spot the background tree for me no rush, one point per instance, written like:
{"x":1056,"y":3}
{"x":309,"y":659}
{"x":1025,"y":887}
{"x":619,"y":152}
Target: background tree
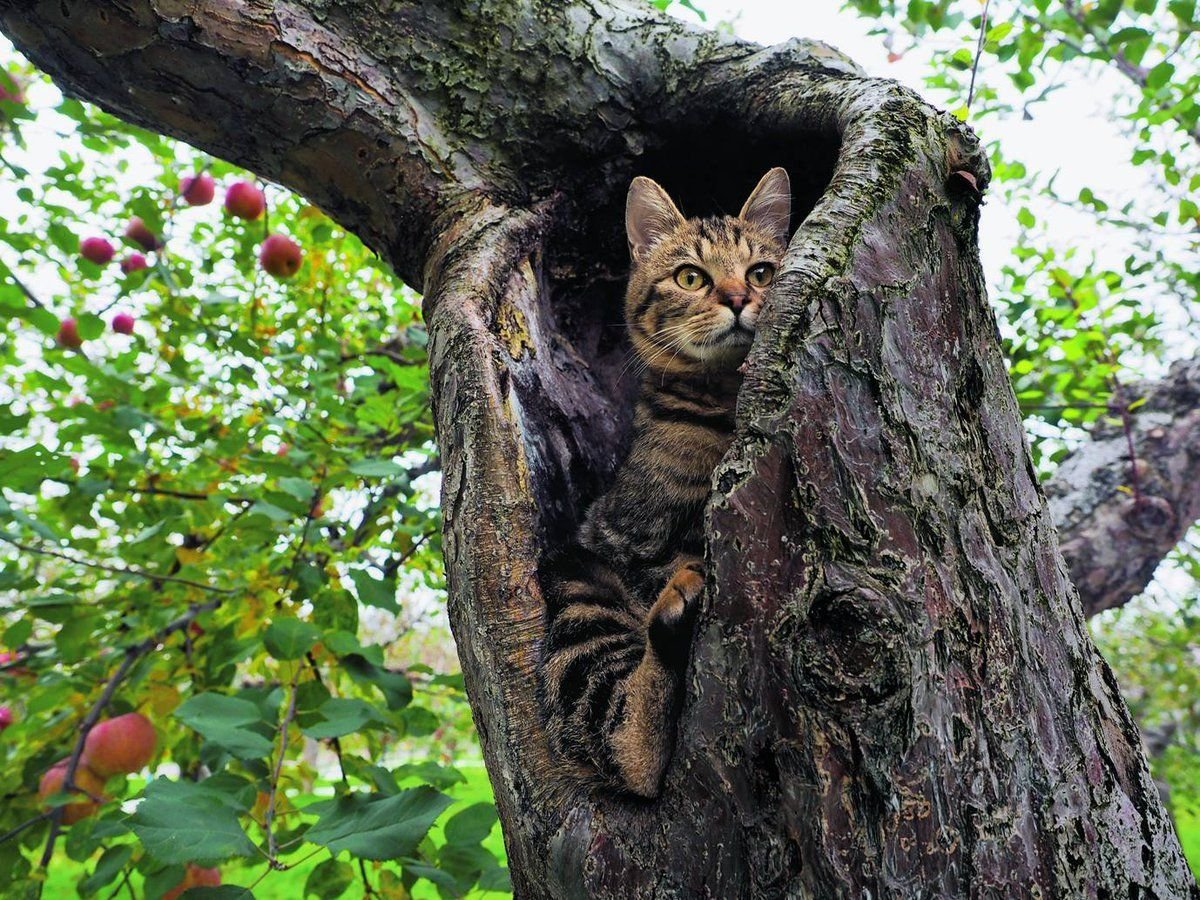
{"x":502,"y":313}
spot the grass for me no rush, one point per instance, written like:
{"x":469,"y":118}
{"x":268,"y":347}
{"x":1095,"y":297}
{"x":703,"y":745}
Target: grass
{"x":289,"y":884}
{"x":1188,"y":825}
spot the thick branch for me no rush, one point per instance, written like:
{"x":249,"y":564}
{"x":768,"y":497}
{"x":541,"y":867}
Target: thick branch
{"x":1113,"y":539}
{"x":381,"y":113}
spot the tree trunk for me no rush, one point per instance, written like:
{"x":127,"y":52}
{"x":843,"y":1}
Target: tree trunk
{"x":892,"y":690}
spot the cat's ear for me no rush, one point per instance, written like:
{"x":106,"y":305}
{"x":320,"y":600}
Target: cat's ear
{"x":649,"y":215}
{"x":770,"y":204}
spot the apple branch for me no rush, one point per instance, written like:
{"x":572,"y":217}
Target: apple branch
{"x":276,"y":772}
{"x":133,"y":653}
{"x":118,"y":570}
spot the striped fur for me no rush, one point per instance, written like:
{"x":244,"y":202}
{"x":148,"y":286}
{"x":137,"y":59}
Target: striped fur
{"x":621,"y":597}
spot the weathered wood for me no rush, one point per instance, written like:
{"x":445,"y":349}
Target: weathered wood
{"x":892,"y":692}
{"x":1116,"y":526}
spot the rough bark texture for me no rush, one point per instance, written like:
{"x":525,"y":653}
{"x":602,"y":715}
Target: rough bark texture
{"x":892,"y":693}
{"x":1118,"y":518}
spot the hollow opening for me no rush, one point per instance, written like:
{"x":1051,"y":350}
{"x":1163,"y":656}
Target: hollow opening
{"x":576,"y":392}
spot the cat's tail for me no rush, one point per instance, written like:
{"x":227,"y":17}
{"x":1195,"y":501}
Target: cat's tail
{"x":609,"y":681}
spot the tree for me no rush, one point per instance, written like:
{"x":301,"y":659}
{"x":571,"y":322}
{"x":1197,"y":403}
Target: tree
{"x":892,"y":689}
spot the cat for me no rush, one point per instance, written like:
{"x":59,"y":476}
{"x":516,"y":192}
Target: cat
{"x":621,"y":598}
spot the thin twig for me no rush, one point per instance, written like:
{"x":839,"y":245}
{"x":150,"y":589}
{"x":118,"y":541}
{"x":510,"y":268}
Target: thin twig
{"x":28,"y":823}
{"x":125,"y":872}
{"x":336,"y":744}
{"x":269,"y":817}
{"x":983,"y":18}
{"x":392,"y":565}
{"x":120,"y":570}
{"x":29,"y":295}
{"x":191,"y":495}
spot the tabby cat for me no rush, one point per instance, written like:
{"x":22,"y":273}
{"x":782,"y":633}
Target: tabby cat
{"x":621,"y":598}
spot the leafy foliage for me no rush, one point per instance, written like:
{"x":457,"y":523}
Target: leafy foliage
{"x":220,"y":519}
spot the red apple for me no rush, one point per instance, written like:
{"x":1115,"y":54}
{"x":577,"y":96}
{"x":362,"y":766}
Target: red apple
{"x":86,"y":780}
{"x":122,"y":323}
{"x":73,"y":462}
{"x":139,"y":232}
{"x":194,"y":876}
{"x":96,"y":249}
{"x":120,"y":746}
{"x":198,"y":189}
{"x":6,"y":717}
{"x":68,"y":334}
{"x":280,"y":255}
{"x":133,"y":262}
{"x":244,"y":200}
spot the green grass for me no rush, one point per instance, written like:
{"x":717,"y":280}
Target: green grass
{"x":1188,"y":825}
{"x":289,"y":884}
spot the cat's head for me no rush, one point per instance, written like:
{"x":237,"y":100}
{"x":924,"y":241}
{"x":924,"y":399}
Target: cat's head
{"x":697,"y":285}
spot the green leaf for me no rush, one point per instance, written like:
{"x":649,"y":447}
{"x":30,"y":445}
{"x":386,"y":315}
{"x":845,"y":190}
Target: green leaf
{"x":376,"y":468}
{"x":961,"y":59}
{"x":375,"y":827}
{"x":174,"y":830}
{"x":396,"y":688}
{"x":290,"y":638}
{"x":373,"y":591}
{"x":300,"y":488}
{"x":1159,"y":75}
{"x":271,"y":511}
{"x":223,"y":720}
{"x":108,"y":867}
{"x":338,"y":717}
{"x":223,"y":789}
{"x":329,"y":880}
{"x":471,"y":825}
{"x":90,"y":326}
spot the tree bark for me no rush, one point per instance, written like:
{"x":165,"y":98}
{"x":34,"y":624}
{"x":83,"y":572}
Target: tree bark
{"x":892,"y":691}
{"x":1124,"y":499}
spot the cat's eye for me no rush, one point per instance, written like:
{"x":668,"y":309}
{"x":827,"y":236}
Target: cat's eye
{"x":761,"y":275}
{"x":690,"y":278}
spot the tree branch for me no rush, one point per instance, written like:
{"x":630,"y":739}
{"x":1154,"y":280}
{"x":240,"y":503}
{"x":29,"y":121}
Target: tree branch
{"x":1111,"y":539}
{"x":119,"y":570}
{"x":133,"y":653}
{"x":352,"y":107}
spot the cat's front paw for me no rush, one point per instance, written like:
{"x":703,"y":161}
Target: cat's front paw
{"x":673,"y":615}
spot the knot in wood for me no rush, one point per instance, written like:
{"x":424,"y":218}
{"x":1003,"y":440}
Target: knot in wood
{"x":850,"y":654}
{"x":1149,"y":517}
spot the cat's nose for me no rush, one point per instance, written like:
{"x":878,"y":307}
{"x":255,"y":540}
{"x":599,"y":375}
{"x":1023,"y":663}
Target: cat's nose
{"x":732,"y":295}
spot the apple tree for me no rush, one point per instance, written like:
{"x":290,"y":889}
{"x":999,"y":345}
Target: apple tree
{"x":219,"y":536}
{"x":892,"y":685}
